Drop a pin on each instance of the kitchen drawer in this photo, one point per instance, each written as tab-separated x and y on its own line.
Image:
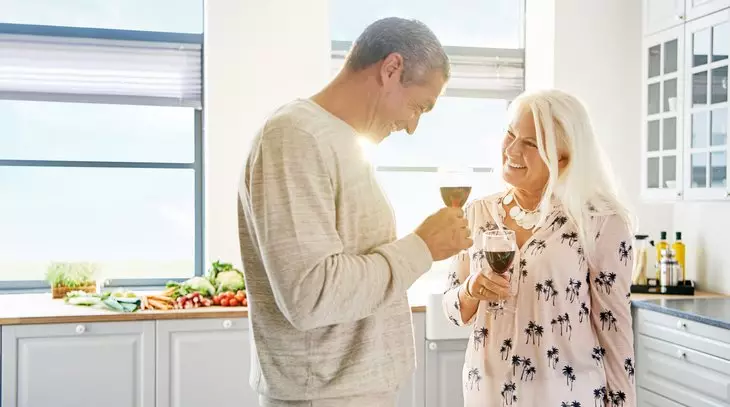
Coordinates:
648	398
80	365
681	374
691	334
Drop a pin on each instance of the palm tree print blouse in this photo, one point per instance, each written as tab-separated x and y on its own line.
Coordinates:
570	340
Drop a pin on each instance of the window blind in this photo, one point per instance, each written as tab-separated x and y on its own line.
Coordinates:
482	72
103	70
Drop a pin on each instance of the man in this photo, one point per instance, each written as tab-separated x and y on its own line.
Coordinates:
326	277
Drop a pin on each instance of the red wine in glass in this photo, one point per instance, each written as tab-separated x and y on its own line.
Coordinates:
455	196
499	247
500	260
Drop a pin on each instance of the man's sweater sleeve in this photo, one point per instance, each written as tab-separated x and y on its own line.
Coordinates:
291	204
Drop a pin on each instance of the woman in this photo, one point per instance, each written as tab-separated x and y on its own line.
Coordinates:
565	336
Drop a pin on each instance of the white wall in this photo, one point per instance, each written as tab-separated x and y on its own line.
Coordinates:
539	44
258	55
595	53
704	227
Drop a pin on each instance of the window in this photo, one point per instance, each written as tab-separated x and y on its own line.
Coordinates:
100	140
175	16
468	23
458	133
484	40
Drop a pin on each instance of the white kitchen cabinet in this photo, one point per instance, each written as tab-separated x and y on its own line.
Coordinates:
698	8
685	109
662	95
659	15
706	118
645	398
80	365
686	362
411	393
171	363
204	362
444	365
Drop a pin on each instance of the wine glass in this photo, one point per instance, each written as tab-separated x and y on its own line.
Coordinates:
455	186
499	247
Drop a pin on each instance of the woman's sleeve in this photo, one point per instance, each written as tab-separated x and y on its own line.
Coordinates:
610	283
458	272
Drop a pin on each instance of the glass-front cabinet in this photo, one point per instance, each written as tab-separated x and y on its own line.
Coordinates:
706	107
699	8
663	97
685	110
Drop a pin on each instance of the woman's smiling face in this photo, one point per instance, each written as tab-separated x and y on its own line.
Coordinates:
522	166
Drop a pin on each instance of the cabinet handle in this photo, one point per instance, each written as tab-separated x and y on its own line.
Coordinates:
80	329
679	194
681	354
227	324
679	17
681	325
432	346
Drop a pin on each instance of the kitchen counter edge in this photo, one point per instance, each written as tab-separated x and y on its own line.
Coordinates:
30	309
662	308
48	311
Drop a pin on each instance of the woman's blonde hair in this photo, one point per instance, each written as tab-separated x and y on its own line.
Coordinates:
586	186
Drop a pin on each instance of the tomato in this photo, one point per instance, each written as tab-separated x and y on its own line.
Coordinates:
216	300
234	302
224	302
245	302
240	292
239	297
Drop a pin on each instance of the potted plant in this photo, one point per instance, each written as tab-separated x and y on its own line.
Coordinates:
65	277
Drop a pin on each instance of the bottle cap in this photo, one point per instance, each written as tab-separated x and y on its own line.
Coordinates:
678	235
663	235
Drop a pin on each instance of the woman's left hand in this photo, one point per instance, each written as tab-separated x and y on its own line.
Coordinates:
489	286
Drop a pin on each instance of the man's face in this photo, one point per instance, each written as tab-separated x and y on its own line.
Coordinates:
398	106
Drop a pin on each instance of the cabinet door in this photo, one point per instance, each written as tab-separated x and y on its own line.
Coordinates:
681	374
701	8
444	365
658	15
204	362
647	398
80	365
706	107
662	96
412	392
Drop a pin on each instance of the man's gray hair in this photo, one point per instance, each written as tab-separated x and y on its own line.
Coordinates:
422	52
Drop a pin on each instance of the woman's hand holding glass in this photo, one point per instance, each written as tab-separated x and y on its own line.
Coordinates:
488	286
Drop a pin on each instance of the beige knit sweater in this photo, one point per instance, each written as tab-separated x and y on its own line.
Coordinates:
326	277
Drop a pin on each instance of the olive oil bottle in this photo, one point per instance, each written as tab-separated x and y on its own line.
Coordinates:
679	249
661	245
